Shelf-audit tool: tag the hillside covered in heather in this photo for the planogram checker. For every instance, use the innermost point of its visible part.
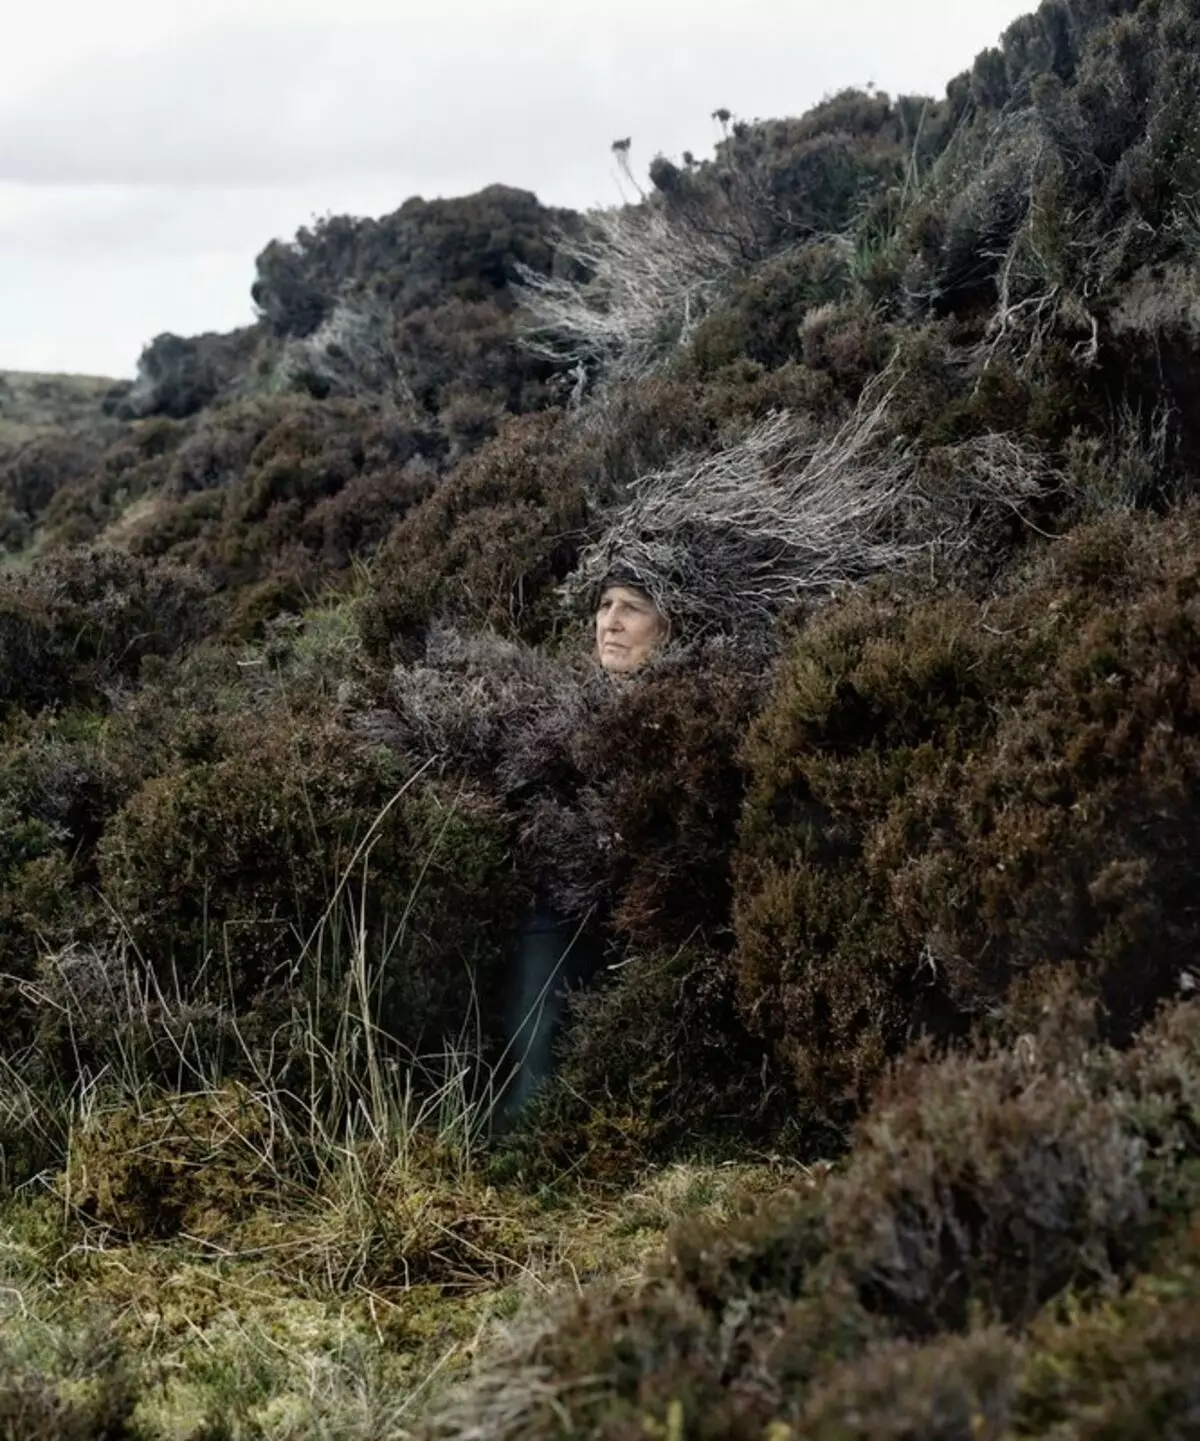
(876, 1111)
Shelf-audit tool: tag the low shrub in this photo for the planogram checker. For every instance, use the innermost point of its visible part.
(272, 865)
(946, 794)
(488, 547)
(655, 1062)
(1127, 1368)
(79, 624)
(938, 1284)
(763, 318)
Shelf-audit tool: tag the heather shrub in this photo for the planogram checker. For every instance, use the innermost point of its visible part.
(467, 247)
(32, 473)
(267, 868)
(665, 759)
(462, 348)
(1124, 1369)
(624, 797)
(309, 454)
(179, 376)
(1055, 225)
(122, 477)
(221, 444)
(763, 317)
(655, 1062)
(58, 787)
(274, 498)
(954, 1389)
(634, 428)
(488, 547)
(920, 1290)
(85, 1392)
(79, 624)
(946, 793)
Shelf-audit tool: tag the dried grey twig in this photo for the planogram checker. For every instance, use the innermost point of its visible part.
(649, 280)
(779, 516)
(352, 352)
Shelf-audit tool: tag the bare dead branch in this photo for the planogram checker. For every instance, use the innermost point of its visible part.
(649, 281)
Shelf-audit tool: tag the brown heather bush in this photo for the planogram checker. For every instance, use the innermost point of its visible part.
(763, 318)
(58, 786)
(131, 468)
(655, 1062)
(309, 454)
(32, 473)
(959, 1388)
(625, 798)
(243, 875)
(489, 546)
(78, 625)
(666, 760)
(1014, 1188)
(948, 793)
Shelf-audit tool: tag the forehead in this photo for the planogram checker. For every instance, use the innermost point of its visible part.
(628, 593)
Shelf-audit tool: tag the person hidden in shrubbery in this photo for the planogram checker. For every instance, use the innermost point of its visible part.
(622, 775)
(552, 950)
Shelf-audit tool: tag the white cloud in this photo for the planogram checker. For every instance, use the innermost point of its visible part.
(140, 142)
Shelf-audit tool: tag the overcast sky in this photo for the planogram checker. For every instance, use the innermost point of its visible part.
(150, 148)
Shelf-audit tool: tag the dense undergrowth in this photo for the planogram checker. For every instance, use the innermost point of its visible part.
(882, 875)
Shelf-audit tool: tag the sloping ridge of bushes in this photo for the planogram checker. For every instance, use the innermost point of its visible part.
(295, 719)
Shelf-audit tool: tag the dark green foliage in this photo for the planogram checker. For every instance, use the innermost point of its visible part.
(244, 874)
(489, 546)
(32, 473)
(178, 377)
(423, 253)
(655, 1063)
(947, 794)
(763, 317)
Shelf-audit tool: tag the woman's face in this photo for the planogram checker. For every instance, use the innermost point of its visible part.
(629, 629)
